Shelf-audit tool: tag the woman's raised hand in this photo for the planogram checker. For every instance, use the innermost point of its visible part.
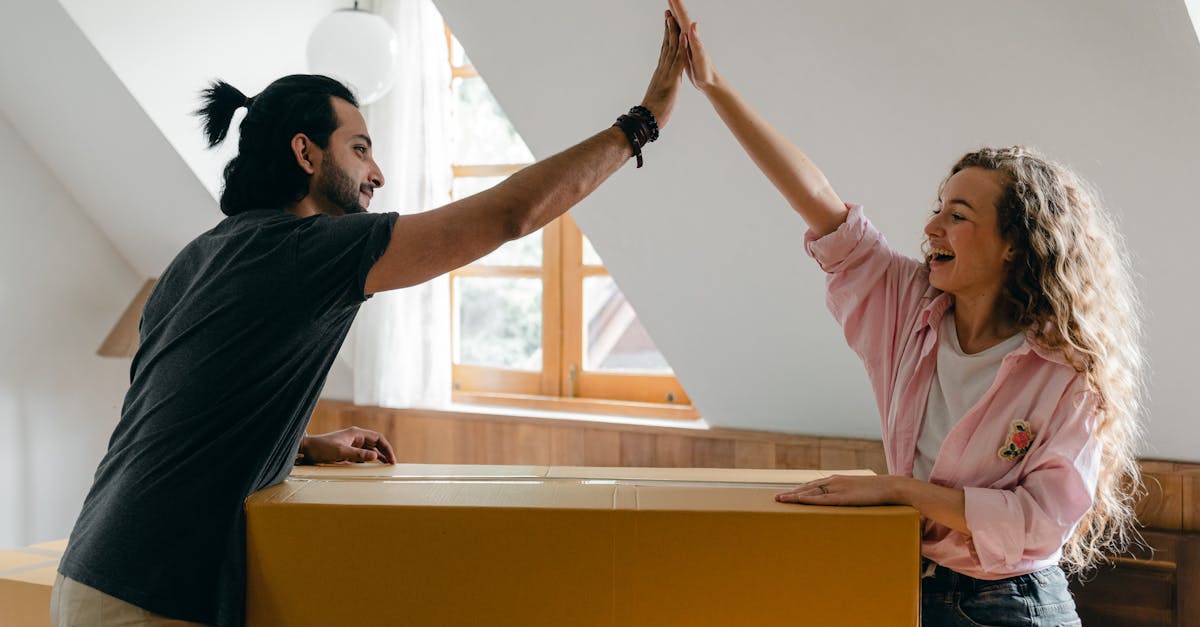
(699, 67)
(786, 166)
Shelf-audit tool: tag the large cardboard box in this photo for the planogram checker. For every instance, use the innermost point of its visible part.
(26, 577)
(509, 545)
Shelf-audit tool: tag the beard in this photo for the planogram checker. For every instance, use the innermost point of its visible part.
(338, 188)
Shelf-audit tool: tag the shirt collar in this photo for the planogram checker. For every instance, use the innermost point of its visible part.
(941, 302)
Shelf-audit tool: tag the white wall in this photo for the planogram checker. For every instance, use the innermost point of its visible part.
(81, 120)
(62, 285)
(885, 96)
(166, 52)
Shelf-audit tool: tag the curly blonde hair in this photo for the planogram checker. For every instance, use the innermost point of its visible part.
(1071, 284)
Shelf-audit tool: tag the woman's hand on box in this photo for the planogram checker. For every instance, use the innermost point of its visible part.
(844, 490)
(943, 505)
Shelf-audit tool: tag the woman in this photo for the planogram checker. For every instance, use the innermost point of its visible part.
(1006, 367)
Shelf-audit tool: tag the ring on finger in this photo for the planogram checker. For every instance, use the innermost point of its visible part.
(824, 488)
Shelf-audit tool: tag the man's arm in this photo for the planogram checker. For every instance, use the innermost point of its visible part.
(431, 243)
(425, 245)
(353, 444)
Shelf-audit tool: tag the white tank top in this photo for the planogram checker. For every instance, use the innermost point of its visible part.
(958, 383)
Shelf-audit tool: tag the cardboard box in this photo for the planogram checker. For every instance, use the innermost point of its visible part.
(26, 577)
(497, 545)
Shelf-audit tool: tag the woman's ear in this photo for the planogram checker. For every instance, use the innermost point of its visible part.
(301, 147)
(1010, 253)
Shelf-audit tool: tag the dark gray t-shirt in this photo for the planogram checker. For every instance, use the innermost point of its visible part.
(236, 340)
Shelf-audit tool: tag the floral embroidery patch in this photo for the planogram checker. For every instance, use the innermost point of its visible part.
(1020, 438)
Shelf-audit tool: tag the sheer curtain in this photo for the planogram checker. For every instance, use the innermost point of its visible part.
(400, 345)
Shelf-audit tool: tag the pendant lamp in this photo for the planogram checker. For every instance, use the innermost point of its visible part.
(357, 47)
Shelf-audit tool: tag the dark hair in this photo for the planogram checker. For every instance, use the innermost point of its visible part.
(264, 174)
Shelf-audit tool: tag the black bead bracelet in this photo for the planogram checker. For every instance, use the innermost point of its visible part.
(640, 128)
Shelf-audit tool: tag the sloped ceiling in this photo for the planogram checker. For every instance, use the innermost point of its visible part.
(166, 52)
(103, 92)
(83, 122)
(884, 95)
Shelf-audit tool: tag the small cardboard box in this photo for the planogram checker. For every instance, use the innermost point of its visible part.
(26, 577)
(495, 545)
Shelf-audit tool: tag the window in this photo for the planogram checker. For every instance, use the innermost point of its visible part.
(539, 322)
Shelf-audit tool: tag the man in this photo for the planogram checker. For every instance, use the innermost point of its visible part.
(240, 332)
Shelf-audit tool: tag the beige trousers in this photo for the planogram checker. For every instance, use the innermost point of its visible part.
(73, 604)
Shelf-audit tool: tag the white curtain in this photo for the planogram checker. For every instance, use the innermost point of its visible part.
(400, 345)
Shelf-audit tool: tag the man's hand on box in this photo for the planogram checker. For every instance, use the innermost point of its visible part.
(348, 445)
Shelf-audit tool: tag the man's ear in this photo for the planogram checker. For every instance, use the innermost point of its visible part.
(304, 151)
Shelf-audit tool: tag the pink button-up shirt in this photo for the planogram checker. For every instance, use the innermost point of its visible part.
(1019, 509)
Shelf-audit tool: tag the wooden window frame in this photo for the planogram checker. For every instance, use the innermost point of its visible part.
(562, 384)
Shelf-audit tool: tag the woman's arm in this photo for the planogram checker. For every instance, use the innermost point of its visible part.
(945, 506)
(791, 171)
(1008, 524)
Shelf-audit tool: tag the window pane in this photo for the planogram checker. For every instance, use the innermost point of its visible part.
(590, 256)
(614, 338)
(526, 251)
(499, 322)
(467, 185)
(458, 56)
(482, 133)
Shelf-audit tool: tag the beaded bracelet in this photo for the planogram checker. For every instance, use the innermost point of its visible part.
(640, 128)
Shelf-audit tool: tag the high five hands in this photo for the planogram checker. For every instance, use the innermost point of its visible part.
(664, 83)
(699, 66)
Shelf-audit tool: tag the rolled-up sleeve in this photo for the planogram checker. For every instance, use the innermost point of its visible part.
(872, 290)
(1032, 521)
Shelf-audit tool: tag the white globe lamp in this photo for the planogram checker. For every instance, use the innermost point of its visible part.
(357, 47)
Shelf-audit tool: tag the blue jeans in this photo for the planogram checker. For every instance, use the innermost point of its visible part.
(1039, 599)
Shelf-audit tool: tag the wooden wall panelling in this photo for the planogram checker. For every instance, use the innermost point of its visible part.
(1121, 596)
(1190, 505)
(673, 451)
(533, 443)
(601, 448)
(849, 454)
(800, 456)
(754, 454)
(1161, 506)
(584, 447)
(1172, 501)
(490, 443)
(1153, 587)
(712, 453)
(442, 440)
(639, 449)
(406, 436)
(1187, 578)
(566, 446)
(469, 442)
